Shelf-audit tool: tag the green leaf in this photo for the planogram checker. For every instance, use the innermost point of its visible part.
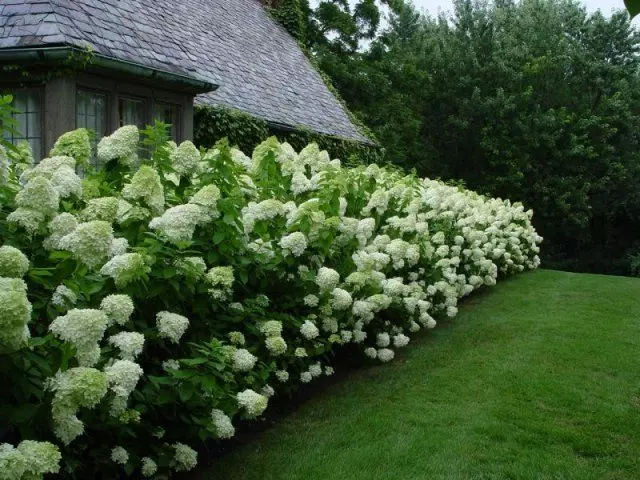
(186, 391)
(633, 7)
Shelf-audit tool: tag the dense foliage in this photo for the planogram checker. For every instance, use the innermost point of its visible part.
(157, 302)
(246, 132)
(533, 100)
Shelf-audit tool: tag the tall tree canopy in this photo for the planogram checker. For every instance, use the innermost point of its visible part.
(533, 100)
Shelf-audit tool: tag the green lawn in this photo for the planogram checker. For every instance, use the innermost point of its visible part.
(537, 378)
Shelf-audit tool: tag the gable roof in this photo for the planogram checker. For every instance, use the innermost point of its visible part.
(232, 43)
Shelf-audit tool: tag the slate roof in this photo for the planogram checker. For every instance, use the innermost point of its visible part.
(232, 43)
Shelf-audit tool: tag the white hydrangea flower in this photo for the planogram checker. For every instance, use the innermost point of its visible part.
(178, 223)
(30, 460)
(193, 267)
(400, 340)
(118, 308)
(15, 313)
(39, 195)
(243, 360)
(170, 365)
(47, 167)
(328, 371)
(63, 296)
(271, 328)
(66, 182)
(300, 352)
(119, 455)
(171, 325)
(185, 159)
(13, 263)
(276, 345)
(84, 328)
(221, 281)
(300, 184)
(207, 199)
(330, 324)
(282, 375)
(315, 370)
(268, 391)
(452, 311)
(75, 388)
(61, 225)
(185, 458)
(383, 340)
(148, 467)
(340, 299)
(125, 268)
(311, 300)
(236, 338)
(294, 243)
(76, 144)
(121, 145)
(265, 210)
(102, 208)
(359, 336)
(222, 423)
(118, 247)
(252, 402)
(130, 344)
(146, 186)
(309, 330)
(385, 354)
(327, 278)
(365, 230)
(306, 377)
(31, 220)
(90, 242)
(371, 352)
(122, 378)
(378, 202)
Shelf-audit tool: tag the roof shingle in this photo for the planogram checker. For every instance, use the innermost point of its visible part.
(233, 43)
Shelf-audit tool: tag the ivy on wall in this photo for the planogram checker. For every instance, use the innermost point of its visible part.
(292, 15)
(246, 132)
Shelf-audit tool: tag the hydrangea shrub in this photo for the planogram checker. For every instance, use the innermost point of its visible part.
(154, 303)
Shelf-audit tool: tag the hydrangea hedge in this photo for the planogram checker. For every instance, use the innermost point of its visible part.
(152, 304)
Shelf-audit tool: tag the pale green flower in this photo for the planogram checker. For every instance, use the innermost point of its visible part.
(13, 263)
(75, 144)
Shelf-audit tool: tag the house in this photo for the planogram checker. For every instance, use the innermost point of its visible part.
(101, 64)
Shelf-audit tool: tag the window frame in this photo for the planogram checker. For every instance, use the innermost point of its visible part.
(40, 90)
(176, 126)
(107, 98)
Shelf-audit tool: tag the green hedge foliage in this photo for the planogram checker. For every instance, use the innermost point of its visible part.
(157, 302)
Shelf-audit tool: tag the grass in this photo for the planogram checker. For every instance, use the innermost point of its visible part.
(537, 378)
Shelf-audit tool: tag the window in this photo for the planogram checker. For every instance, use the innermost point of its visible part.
(131, 112)
(169, 114)
(28, 116)
(91, 113)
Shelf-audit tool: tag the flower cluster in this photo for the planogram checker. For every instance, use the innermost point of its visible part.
(121, 145)
(29, 460)
(171, 325)
(75, 388)
(15, 313)
(13, 263)
(84, 328)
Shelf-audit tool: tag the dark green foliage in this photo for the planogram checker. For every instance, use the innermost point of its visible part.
(246, 132)
(292, 14)
(536, 101)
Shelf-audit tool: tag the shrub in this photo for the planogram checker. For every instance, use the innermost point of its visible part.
(169, 299)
